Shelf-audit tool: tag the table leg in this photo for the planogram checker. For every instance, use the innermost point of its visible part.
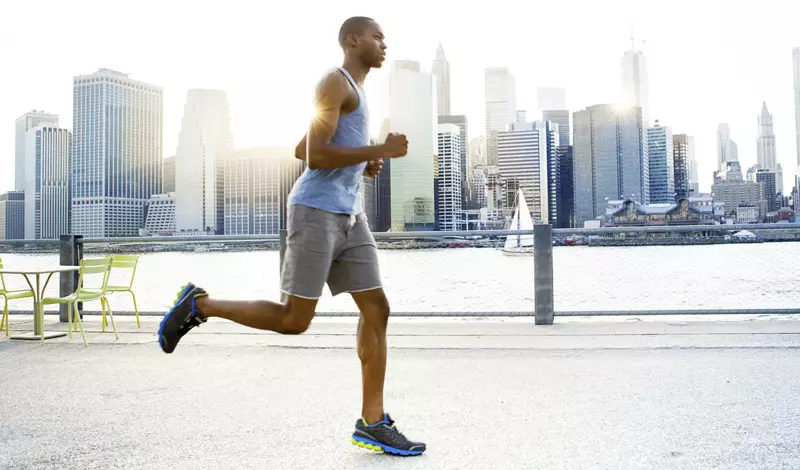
(38, 317)
(38, 314)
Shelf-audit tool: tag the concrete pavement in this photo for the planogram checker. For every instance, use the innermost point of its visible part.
(682, 393)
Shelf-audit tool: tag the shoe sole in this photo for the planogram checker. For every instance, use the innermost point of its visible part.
(184, 290)
(374, 446)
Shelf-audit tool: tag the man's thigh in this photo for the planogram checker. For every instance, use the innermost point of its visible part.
(355, 269)
(310, 247)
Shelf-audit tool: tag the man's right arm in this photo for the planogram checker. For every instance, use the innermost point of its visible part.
(316, 147)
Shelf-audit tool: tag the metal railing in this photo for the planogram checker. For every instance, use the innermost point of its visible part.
(71, 251)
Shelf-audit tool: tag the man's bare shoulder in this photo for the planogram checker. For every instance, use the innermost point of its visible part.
(332, 82)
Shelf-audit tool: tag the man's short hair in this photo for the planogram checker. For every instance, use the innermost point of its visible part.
(355, 25)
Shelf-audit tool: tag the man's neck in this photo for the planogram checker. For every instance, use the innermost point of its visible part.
(357, 70)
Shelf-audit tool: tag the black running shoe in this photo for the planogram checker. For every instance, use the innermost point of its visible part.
(182, 317)
(383, 436)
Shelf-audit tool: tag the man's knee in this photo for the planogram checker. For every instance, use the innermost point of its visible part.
(297, 317)
(375, 309)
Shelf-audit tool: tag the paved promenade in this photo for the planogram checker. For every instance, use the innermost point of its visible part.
(656, 393)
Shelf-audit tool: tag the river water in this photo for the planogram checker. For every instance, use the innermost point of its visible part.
(474, 280)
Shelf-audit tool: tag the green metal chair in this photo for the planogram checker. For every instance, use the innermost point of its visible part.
(123, 262)
(89, 267)
(10, 295)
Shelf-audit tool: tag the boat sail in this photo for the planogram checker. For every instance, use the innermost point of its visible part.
(520, 244)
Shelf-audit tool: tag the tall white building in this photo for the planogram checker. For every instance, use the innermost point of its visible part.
(257, 185)
(796, 79)
(48, 169)
(500, 93)
(22, 125)
(448, 178)
(767, 155)
(727, 150)
(441, 70)
(461, 122)
(662, 166)
(412, 111)
(635, 84)
(117, 152)
(204, 140)
(526, 153)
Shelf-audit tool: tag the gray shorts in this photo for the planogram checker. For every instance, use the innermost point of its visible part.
(325, 247)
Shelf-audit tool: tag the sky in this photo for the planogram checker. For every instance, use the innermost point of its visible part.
(710, 61)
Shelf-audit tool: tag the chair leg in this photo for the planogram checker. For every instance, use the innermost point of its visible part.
(69, 321)
(80, 324)
(136, 310)
(40, 313)
(103, 321)
(5, 316)
(111, 315)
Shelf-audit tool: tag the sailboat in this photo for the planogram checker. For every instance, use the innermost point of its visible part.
(520, 244)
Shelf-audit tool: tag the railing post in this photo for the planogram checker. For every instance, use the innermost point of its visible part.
(543, 274)
(70, 254)
(282, 251)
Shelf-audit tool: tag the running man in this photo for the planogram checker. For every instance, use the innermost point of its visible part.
(328, 239)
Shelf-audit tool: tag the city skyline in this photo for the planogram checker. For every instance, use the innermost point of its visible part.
(692, 98)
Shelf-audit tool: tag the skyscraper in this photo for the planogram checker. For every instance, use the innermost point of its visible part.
(635, 86)
(527, 159)
(796, 79)
(441, 70)
(478, 187)
(48, 170)
(767, 156)
(769, 190)
(566, 187)
(680, 150)
(500, 93)
(727, 150)
(383, 188)
(117, 153)
(204, 141)
(12, 215)
(461, 122)
(168, 182)
(412, 111)
(448, 178)
(477, 151)
(560, 117)
(22, 125)
(691, 167)
(610, 159)
(662, 166)
(256, 186)
(566, 190)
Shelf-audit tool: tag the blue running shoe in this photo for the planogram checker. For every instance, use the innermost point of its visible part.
(182, 317)
(383, 436)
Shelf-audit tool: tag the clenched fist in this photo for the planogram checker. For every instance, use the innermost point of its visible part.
(373, 168)
(396, 145)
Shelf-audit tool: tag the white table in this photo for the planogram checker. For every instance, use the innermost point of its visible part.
(38, 294)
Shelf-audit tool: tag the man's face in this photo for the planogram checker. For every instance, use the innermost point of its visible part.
(372, 49)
